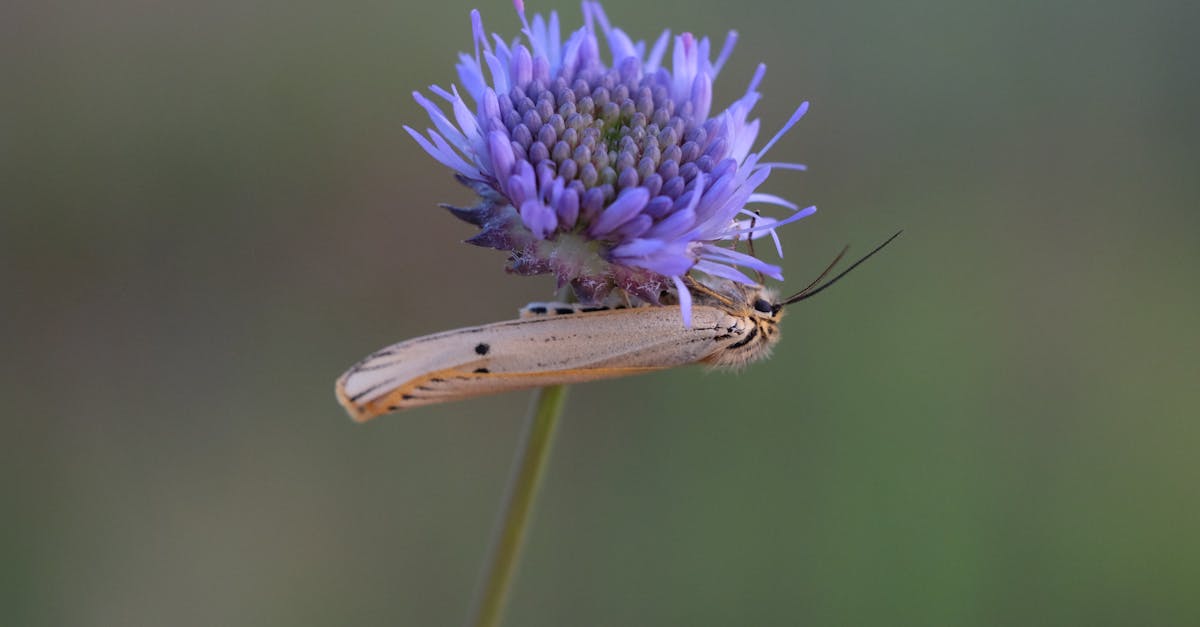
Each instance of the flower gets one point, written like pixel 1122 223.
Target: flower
pixel 612 176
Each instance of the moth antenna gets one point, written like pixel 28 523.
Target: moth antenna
pixel 809 292
pixel 820 277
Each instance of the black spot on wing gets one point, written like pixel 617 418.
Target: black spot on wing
pixel 482 348
pixel 537 310
pixel 482 370
pixel 563 311
pixel 746 340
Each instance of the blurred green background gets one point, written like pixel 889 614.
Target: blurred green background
pixel 211 210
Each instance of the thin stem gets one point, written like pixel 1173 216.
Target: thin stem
pixel 492 595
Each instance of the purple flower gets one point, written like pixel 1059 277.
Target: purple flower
pixel 608 171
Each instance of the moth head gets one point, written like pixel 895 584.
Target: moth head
pixel 764 306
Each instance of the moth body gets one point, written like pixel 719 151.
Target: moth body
pixel 558 343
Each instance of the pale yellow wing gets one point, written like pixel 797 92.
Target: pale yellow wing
pixel 528 353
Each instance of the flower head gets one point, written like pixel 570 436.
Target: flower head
pixel 609 171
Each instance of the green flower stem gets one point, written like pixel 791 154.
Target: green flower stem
pixel 492 595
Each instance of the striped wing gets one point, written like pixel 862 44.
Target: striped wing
pixel 528 353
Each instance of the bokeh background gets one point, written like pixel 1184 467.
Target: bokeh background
pixel 211 209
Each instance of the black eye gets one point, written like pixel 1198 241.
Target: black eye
pixel 763 306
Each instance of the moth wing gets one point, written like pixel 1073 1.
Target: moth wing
pixel 528 353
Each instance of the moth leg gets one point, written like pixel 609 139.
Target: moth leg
pixel 750 243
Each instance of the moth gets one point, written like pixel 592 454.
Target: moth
pixel 558 343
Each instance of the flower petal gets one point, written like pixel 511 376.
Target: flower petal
pixel 685 300
pixel 622 210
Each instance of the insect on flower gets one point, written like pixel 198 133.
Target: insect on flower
pixel 614 175
pixel 556 343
